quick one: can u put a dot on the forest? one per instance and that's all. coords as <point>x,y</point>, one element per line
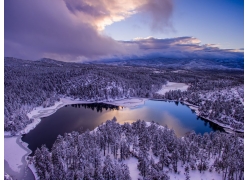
<point>105,153</point>
<point>218,94</point>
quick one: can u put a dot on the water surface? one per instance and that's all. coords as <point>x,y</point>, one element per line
<point>80,117</point>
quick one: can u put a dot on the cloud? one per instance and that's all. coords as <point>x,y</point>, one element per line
<point>36,28</point>
<point>153,43</point>
<point>101,13</point>
<point>181,47</point>
<point>159,12</point>
<point>69,30</point>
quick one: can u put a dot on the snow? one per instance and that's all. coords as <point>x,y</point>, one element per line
<point>205,175</point>
<point>227,128</point>
<point>7,133</point>
<point>33,170</point>
<point>132,102</point>
<point>236,93</point>
<point>15,164</point>
<point>13,153</point>
<point>7,177</point>
<point>39,112</point>
<point>172,86</point>
<point>195,174</point>
<point>132,165</point>
<point>179,71</point>
<point>157,72</point>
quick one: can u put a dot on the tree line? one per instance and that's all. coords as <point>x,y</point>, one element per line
<point>102,153</point>
<point>28,84</point>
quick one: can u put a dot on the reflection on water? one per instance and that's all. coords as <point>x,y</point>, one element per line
<point>99,107</point>
<point>80,117</point>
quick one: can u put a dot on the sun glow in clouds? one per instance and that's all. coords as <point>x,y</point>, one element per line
<point>72,30</point>
<point>100,13</point>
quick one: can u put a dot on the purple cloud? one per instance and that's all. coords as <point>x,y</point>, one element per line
<point>69,30</point>
<point>181,47</point>
<point>34,29</point>
<point>160,12</point>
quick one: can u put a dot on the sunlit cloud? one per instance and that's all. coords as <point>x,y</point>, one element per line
<point>180,47</point>
<point>100,13</point>
<point>70,30</point>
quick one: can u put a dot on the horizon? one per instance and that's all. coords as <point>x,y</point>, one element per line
<point>77,31</point>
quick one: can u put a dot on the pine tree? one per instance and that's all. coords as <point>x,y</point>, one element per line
<point>108,169</point>
<point>43,163</point>
<point>143,162</point>
<point>175,157</point>
<point>187,176</point>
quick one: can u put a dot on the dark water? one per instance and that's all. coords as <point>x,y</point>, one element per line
<point>81,117</point>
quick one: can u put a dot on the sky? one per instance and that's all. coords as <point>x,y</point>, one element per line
<point>87,30</point>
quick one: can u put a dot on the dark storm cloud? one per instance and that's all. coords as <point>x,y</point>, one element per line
<point>81,6</point>
<point>34,29</point>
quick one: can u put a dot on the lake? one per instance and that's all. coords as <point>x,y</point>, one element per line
<point>80,117</point>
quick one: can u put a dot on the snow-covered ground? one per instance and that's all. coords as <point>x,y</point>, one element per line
<point>128,102</point>
<point>227,128</point>
<point>179,71</point>
<point>132,165</point>
<point>7,133</point>
<point>15,164</point>
<point>172,86</point>
<point>39,112</point>
<point>12,152</point>
<point>195,174</point>
<point>33,170</point>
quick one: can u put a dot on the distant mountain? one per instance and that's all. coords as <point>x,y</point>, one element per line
<point>186,64</point>
<point>11,61</point>
<point>218,64</point>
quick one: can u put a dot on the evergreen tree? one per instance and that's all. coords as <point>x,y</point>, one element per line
<point>108,169</point>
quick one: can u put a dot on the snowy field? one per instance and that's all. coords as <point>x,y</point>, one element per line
<point>128,102</point>
<point>12,152</point>
<point>15,164</point>
<point>132,165</point>
<point>172,86</point>
<point>195,174</point>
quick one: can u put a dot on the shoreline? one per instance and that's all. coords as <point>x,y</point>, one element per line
<point>227,128</point>
<point>39,112</point>
<point>22,171</point>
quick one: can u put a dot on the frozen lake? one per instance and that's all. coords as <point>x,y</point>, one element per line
<point>80,117</point>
